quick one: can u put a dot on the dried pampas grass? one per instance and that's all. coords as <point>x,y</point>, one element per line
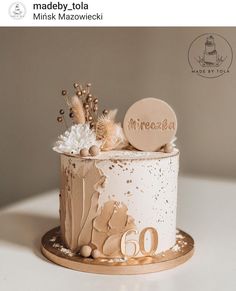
<point>77,110</point>
<point>110,133</point>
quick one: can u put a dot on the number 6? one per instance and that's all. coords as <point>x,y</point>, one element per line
<point>124,242</point>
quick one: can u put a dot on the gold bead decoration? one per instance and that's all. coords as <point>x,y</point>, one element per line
<point>168,148</point>
<point>89,85</point>
<point>71,114</point>
<point>90,118</point>
<point>63,92</point>
<point>84,153</point>
<point>95,254</point>
<point>86,106</point>
<point>59,119</point>
<point>79,93</point>
<point>105,112</point>
<point>76,85</point>
<point>89,99</point>
<point>94,150</point>
<point>61,111</point>
<point>95,108</point>
<point>84,91</point>
<point>95,101</point>
<point>85,251</point>
<point>92,125</point>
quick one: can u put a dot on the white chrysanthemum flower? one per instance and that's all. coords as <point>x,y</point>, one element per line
<point>77,137</point>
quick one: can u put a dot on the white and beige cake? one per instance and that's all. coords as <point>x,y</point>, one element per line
<point>118,193</point>
<point>118,196</point>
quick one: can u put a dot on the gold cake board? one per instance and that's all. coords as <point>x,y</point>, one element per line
<point>53,249</point>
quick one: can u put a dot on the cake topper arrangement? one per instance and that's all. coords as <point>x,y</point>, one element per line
<point>90,131</point>
<point>149,125</point>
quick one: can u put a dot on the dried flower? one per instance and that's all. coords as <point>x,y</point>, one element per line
<point>77,109</point>
<point>78,137</point>
<point>110,133</point>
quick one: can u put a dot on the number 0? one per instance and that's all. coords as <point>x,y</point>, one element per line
<point>154,241</point>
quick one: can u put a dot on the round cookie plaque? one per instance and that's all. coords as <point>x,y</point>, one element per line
<point>149,124</point>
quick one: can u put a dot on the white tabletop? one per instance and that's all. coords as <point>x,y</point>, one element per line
<point>206,210</point>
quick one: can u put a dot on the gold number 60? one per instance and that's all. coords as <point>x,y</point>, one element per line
<point>140,246</point>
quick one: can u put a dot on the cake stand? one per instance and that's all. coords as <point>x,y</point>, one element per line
<point>52,248</point>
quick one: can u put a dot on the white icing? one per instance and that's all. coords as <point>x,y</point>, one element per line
<point>148,187</point>
<point>78,136</point>
<point>128,154</point>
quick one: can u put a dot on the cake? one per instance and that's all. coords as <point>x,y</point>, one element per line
<point>114,197</point>
<point>210,53</point>
<point>118,193</point>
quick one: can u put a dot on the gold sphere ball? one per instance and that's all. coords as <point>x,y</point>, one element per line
<point>71,115</point>
<point>105,112</point>
<point>95,101</point>
<point>90,118</point>
<point>61,111</point>
<point>89,99</point>
<point>79,93</point>
<point>84,152</point>
<point>85,251</point>
<point>89,85</point>
<point>94,150</point>
<point>59,119</point>
<point>92,124</point>
<point>63,92</point>
<point>86,106</point>
<point>168,148</point>
<point>95,254</point>
<point>84,91</point>
<point>76,85</point>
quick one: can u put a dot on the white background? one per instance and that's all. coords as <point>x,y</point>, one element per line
<point>136,13</point>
